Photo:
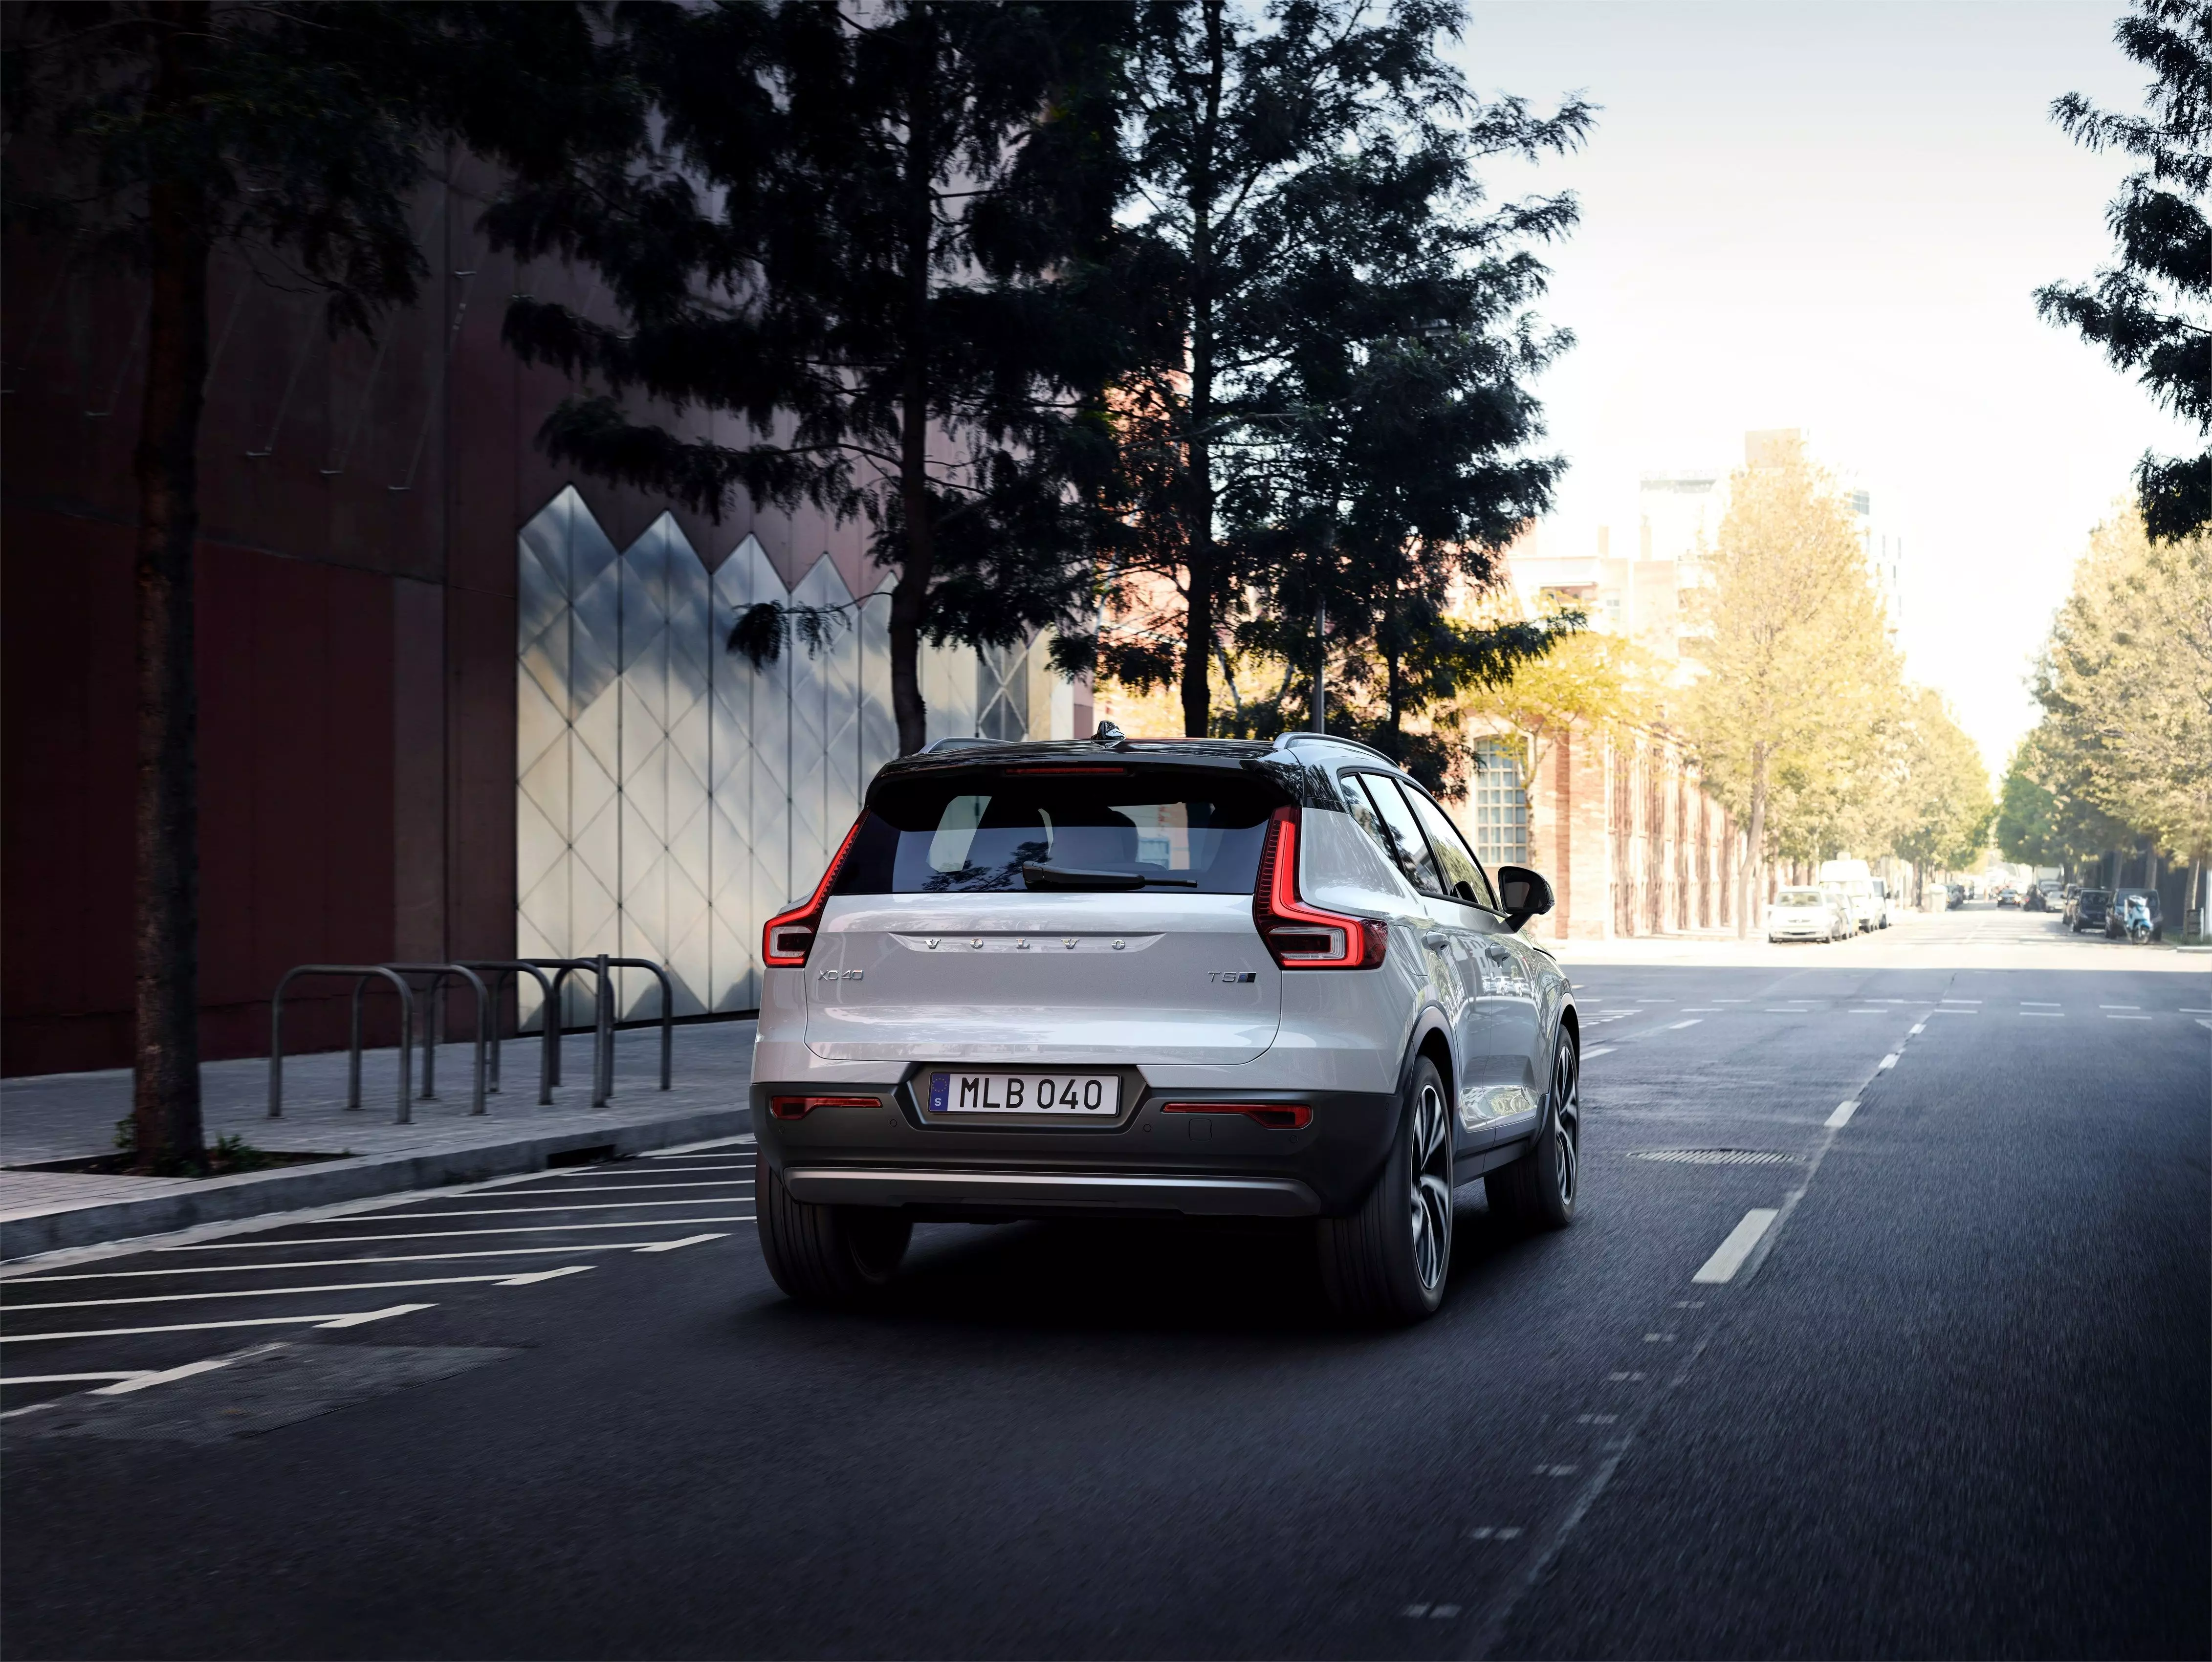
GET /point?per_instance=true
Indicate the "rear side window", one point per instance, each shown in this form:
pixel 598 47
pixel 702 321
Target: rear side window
pixel 1401 833
pixel 1061 830
pixel 1462 872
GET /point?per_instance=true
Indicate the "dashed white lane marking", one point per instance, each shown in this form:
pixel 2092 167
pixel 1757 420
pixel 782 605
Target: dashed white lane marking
pixel 715 1145
pixel 2039 1004
pixel 1700 1010
pixel 688 1241
pixel 1676 1027
pixel 2186 1010
pixel 661 1171
pixel 1843 1113
pixel 342 1318
pixel 1596 1051
pixel 2055 1015
pixel 1918 1028
pixel 1890 1060
pixel 2119 1007
pixel 1494 1532
pixel 73 1379
pixel 1625 1378
pixel 1955 1012
pixel 286 1292
pixel 2127 1018
pixel 1866 1012
pixel 1729 1257
pixel 1962 1001
pixel 443 1234
pixel 1555 1471
pixel 388 1257
pixel 1787 1009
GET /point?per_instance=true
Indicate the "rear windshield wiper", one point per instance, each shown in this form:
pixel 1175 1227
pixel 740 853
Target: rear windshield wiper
pixel 1070 877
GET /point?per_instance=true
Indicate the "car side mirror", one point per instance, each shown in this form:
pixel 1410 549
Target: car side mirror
pixel 1523 893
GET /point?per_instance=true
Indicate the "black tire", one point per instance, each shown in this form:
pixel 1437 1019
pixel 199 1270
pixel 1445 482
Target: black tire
pixel 1539 1190
pixel 1388 1261
pixel 826 1254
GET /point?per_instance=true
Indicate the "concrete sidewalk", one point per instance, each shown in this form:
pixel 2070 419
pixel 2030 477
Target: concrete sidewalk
pixel 68 1116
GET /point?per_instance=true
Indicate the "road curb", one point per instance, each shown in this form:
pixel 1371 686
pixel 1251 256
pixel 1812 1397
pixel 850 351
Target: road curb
pixel 225 1200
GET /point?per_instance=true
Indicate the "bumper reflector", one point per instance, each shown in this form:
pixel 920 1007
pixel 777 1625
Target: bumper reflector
pixel 1276 1116
pixel 798 1107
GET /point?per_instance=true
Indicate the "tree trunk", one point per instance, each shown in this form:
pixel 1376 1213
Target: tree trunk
pixel 1755 855
pixel 1200 556
pixel 910 595
pixel 165 1105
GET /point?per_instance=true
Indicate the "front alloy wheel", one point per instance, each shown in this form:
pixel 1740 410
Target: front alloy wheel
pixel 1539 1190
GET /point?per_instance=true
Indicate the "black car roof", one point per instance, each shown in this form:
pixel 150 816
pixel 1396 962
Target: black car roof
pixel 1299 776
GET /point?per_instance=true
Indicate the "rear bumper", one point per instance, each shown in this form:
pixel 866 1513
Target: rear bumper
pixel 1027 1193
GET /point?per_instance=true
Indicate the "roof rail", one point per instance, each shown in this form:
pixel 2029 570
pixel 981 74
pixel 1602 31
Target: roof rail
pixel 961 743
pixel 1284 741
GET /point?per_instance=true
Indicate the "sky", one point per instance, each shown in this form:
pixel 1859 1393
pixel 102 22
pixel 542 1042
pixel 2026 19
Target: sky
pixel 1832 217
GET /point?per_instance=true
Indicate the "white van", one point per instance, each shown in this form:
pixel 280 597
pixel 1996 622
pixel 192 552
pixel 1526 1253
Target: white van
pixel 1868 894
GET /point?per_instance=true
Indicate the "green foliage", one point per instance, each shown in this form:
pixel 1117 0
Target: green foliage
pixel 2125 682
pixel 871 244
pixel 1329 400
pixel 1942 809
pixel 2148 312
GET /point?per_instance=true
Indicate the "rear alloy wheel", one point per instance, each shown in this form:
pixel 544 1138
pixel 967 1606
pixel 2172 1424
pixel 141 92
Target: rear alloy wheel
pixel 1388 1261
pixel 826 1254
pixel 1538 1190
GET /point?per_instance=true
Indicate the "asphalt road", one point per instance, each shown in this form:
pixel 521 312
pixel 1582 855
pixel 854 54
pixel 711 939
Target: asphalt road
pixel 1956 1400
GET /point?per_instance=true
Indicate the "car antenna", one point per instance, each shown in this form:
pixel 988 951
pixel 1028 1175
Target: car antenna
pixel 1109 734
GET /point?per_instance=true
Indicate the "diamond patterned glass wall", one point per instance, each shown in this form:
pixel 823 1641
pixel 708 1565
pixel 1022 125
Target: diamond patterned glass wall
pixel 1497 806
pixel 669 796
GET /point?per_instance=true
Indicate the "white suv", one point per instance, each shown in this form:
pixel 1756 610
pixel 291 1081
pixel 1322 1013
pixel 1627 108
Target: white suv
pixel 1215 978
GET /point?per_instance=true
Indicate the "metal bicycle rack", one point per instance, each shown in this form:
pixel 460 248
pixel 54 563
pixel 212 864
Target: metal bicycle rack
pixel 549 1058
pixel 440 974
pixel 361 973
pixel 603 1013
pixel 486 1042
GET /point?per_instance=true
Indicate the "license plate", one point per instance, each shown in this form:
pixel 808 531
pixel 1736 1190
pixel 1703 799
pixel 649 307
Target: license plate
pixel 1084 1095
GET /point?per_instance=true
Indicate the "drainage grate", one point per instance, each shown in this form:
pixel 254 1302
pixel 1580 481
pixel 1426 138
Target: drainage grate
pixel 1716 1156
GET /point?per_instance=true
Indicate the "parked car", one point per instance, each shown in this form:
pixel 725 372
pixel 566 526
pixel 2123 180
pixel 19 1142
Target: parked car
pixel 1867 898
pixel 1852 906
pixel 2116 914
pixel 1807 913
pixel 2091 906
pixel 1221 978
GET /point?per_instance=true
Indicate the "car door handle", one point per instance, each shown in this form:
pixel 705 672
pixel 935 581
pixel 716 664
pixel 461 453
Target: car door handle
pixel 1436 938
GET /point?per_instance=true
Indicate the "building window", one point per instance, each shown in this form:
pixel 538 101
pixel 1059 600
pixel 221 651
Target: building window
pixel 1497 806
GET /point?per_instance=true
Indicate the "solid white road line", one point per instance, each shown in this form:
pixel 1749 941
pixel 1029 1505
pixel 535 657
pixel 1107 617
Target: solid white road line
pixel 659 1171
pixel 73 1379
pixel 715 1145
pixel 532 1279
pixel 588 1206
pixel 688 1241
pixel 147 1381
pixel 270 1292
pixel 443 1234
pixel 1842 1116
pixel 632 1188
pixel 353 1319
pixel 348 1263
pixel 1728 1258
pixel 1890 1060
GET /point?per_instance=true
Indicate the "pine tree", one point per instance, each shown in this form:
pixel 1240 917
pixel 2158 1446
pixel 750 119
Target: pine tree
pixel 874 239
pixel 1304 190
pixel 297 134
pixel 2148 312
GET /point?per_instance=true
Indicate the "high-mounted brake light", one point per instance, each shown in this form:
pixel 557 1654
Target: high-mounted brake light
pixel 788 937
pixel 1302 937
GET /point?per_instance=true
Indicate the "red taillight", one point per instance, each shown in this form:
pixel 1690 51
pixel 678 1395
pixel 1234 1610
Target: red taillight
pixel 1302 937
pixel 1276 1116
pixel 788 937
pixel 798 1107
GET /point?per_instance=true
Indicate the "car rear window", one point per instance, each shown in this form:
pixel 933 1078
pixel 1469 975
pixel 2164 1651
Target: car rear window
pixel 1800 897
pixel 1062 828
